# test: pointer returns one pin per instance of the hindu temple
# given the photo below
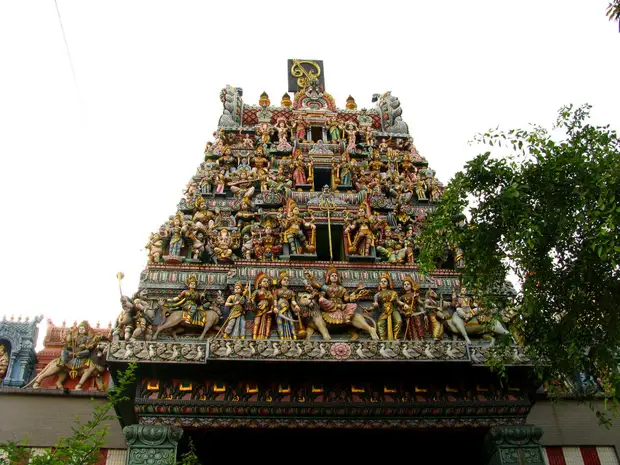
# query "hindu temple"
(281, 313)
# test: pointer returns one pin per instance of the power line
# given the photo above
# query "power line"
(64, 36)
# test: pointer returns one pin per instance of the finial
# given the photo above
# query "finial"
(109, 325)
(27, 319)
(286, 100)
(351, 105)
(64, 323)
(12, 317)
(98, 325)
(264, 101)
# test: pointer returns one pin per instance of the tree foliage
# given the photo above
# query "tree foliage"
(547, 210)
(84, 445)
(613, 11)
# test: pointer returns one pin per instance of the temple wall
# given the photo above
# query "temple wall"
(567, 423)
(43, 419)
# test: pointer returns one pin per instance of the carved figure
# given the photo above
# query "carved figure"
(337, 305)
(83, 352)
(235, 323)
(4, 362)
(386, 300)
(186, 311)
(283, 145)
(155, 245)
(293, 234)
(177, 234)
(414, 316)
(284, 304)
(362, 228)
(264, 131)
(437, 314)
(262, 300)
(467, 321)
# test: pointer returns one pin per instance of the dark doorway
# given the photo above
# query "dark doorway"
(322, 243)
(316, 133)
(322, 177)
(326, 446)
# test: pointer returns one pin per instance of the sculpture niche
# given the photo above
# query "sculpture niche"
(83, 353)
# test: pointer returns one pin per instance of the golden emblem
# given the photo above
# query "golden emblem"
(303, 74)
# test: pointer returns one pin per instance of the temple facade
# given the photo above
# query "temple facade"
(281, 302)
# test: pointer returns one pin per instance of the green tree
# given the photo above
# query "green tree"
(613, 11)
(84, 445)
(544, 207)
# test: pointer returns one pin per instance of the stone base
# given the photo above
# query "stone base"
(514, 445)
(173, 259)
(152, 444)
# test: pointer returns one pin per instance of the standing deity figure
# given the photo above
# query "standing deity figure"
(189, 302)
(235, 323)
(264, 131)
(362, 228)
(436, 314)
(293, 230)
(351, 131)
(300, 129)
(414, 326)
(334, 130)
(177, 234)
(260, 161)
(283, 145)
(368, 136)
(386, 300)
(4, 362)
(285, 304)
(345, 170)
(337, 304)
(262, 300)
(299, 170)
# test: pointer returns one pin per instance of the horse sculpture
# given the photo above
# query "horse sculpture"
(178, 320)
(310, 308)
(92, 364)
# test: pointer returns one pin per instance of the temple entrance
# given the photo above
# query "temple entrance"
(322, 243)
(301, 446)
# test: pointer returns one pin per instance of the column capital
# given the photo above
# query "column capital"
(152, 444)
(514, 445)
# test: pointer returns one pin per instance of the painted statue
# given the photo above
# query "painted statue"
(338, 307)
(4, 362)
(262, 300)
(284, 304)
(83, 353)
(362, 229)
(294, 227)
(387, 301)
(414, 316)
(237, 303)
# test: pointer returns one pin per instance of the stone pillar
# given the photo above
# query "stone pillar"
(152, 444)
(514, 445)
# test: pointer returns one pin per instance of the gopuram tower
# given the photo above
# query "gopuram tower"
(281, 302)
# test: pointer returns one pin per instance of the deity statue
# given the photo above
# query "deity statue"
(81, 353)
(334, 130)
(248, 142)
(265, 243)
(283, 145)
(156, 244)
(299, 171)
(362, 227)
(345, 170)
(227, 160)
(415, 322)
(368, 136)
(386, 300)
(300, 129)
(436, 314)
(293, 230)
(235, 323)
(264, 131)
(189, 303)
(261, 162)
(223, 244)
(199, 242)
(242, 185)
(285, 303)
(4, 362)
(337, 304)
(351, 131)
(177, 234)
(262, 300)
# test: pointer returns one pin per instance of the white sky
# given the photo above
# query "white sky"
(86, 177)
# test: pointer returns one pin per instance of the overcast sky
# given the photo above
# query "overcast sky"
(89, 170)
